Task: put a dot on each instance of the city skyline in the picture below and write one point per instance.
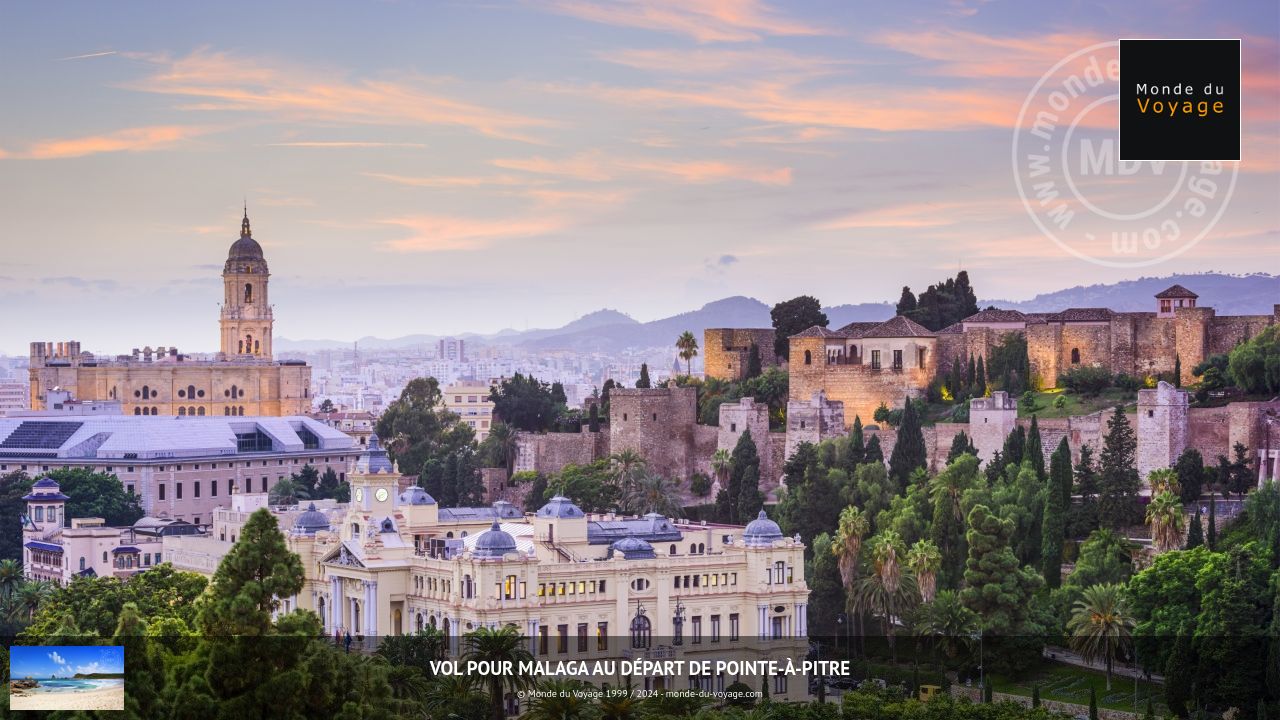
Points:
(428, 167)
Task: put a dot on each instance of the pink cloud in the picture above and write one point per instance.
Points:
(301, 94)
(703, 20)
(595, 166)
(454, 181)
(138, 139)
(440, 233)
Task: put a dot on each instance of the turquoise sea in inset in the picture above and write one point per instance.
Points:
(74, 685)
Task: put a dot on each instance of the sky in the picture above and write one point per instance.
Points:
(456, 167)
(38, 661)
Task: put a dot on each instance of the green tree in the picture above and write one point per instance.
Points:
(1254, 365)
(644, 381)
(687, 344)
(417, 428)
(942, 303)
(874, 454)
(847, 543)
(961, 444)
(1100, 626)
(496, 646)
(744, 457)
(593, 423)
(887, 591)
(525, 403)
(1190, 469)
(96, 494)
(1009, 366)
(1055, 515)
(326, 406)
(1167, 521)
(1105, 557)
(909, 452)
(287, 492)
(1034, 452)
(924, 559)
(906, 302)
(1118, 481)
(793, 316)
(755, 365)
(1211, 538)
(999, 590)
(947, 490)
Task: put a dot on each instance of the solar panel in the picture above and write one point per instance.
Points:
(41, 435)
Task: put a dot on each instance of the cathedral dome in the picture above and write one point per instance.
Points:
(761, 532)
(246, 248)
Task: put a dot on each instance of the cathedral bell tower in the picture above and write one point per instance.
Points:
(246, 310)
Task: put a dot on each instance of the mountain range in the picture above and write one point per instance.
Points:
(611, 331)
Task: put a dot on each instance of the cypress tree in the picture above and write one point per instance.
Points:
(994, 469)
(643, 382)
(1195, 533)
(980, 378)
(857, 447)
(971, 374)
(1211, 537)
(1034, 450)
(960, 445)
(874, 453)
(744, 457)
(754, 365)
(909, 451)
(593, 418)
(1118, 481)
(1093, 704)
(751, 501)
(956, 382)
(1177, 371)
(1055, 515)
(1015, 447)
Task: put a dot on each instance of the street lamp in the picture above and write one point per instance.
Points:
(840, 620)
(678, 624)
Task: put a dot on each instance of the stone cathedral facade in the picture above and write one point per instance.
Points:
(242, 378)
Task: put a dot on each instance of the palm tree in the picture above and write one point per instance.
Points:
(924, 559)
(10, 577)
(886, 554)
(622, 707)
(848, 542)
(29, 597)
(948, 621)
(888, 591)
(626, 465)
(1100, 625)
(451, 691)
(500, 645)
(1164, 479)
(652, 493)
(1167, 520)
(504, 439)
(688, 346)
(721, 463)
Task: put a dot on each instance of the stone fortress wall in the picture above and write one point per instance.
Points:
(725, 351)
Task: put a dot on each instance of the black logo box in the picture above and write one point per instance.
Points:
(1186, 68)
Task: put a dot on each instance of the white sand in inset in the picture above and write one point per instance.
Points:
(111, 698)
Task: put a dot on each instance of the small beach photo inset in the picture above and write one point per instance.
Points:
(66, 677)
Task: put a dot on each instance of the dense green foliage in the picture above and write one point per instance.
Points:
(941, 304)
(794, 316)
(416, 428)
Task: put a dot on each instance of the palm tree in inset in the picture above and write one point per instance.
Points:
(1101, 626)
(1167, 520)
(499, 646)
(688, 346)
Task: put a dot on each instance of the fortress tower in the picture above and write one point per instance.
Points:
(1162, 428)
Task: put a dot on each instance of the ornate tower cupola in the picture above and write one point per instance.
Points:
(246, 311)
(374, 481)
(45, 505)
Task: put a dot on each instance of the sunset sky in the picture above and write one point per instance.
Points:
(452, 167)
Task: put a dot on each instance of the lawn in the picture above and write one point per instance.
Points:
(1070, 683)
(1076, 404)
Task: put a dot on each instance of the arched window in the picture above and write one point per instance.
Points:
(419, 623)
(182, 411)
(641, 632)
(257, 347)
(137, 411)
(468, 587)
(1075, 356)
(104, 556)
(248, 292)
(702, 548)
(200, 411)
(808, 358)
(82, 563)
(248, 342)
(673, 550)
(146, 392)
(191, 411)
(191, 391)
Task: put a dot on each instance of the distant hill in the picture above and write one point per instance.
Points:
(611, 331)
(1228, 294)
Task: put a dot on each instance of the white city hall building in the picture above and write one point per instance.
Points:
(578, 586)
